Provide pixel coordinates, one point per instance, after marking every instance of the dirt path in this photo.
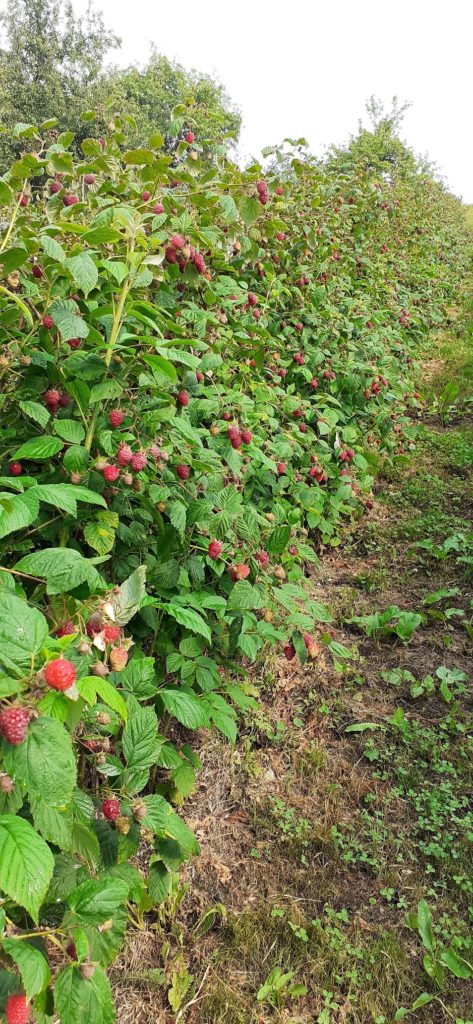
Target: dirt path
(348, 799)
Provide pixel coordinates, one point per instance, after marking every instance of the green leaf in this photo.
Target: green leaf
(229, 209)
(83, 1001)
(456, 964)
(249, 210)
(190, 619)
(35, 412)
(54, 823)
(140, 740)
(62, 568)
(177, 515)
(186, 707)
(12, 259)
(38, 448)
(95, 901)
(99, 536)
(68, 323)
(21, 511)
(162, 820)
(70, 430)
(26, 864)
(138, 156)
(45, 761)
(52, 248)
(424, 924)
(278, 540)
(159, 882)
(244, 597)
(107, 389)
(23, 631)
(83, 271)
(32, 965)
(127, 598)
(111, 697)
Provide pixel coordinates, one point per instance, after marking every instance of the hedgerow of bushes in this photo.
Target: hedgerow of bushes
(202, 369)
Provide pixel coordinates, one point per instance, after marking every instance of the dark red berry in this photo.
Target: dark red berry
(183, 398)
(48, 322)
(15, 469)
(116, 417)
(66, 629)
(14, 725)
(111, 809)
(183, 471)
(214, 549)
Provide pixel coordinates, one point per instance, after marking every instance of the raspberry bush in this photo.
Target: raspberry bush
(202, 370)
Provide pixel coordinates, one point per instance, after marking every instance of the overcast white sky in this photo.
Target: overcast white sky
(307, 67)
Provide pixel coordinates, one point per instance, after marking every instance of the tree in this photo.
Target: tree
(379, 147)
(149, 95)
(51, 66)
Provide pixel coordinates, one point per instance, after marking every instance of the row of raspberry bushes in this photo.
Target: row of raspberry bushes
(202, 370)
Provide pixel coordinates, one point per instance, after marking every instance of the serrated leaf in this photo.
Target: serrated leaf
(38, 448)
(177, 515)
(190, 619)
(99, 536)
(278, 540)
(35, 412)
(111, 697)
(70, 430)
(45, 761)
(127, 599)
(249, 210)
(26, 864)
(107, 389)
(83, 271)
(95, 901)
(229, 209)
(68, 323)
(32, 965)
(244, 597)
(23, 631)
(163, 820)
(83, 1001)
(52, 248)
(62, 568)
(159, 882)
(22, 510)
(186, 707)
(54, 823)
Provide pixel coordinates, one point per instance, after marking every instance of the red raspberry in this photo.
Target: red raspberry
(256, 313)
(155, 452)
(24, 200)
(111, 473)
(70, 200)
(64, 399)
(51, 396)
(292, 549)
(55, 187)
(246, 436)
(37, 272)
(183, 398)
(66, 629)
(214, 549)
(239, 571)
(252, 300)
(303, 428)
(14, 725)
(177, 241)
(116, 417)
(263, 558)
(111, 633)
(183, 471)
(199, 262)
(17, 1010)
(170, 254)
(158, 208)
(280, 236)
(261, 187)
(89, 179)
(200, 377)
(118, 659)
(93, 625)
(227, 415)
(138, 461)
(15, 469)
(289, 652)
(263, 198)
(281, 467)
(124, 455)
(298, 327)
(189, 136)
(60, 674)
(111, 809)
(234, 437)
(48, 322)
(145, 196)
(279, 190)
(314, 383)
(74, 342)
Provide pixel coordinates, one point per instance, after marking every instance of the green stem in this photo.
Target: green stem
(116, 325)
(13, 218)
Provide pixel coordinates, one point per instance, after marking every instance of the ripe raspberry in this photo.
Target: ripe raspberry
(280, 236)
(93, 625)
(138, 462)
(14, 725)
(289, 652)
(234, 437)
(111, 633)
(303, 428)
(36, 270)
(124, 455)
(183, 471)
(263, 558)
(170, 254)
(70, 200)
(48, 322)
(256, 313)
(199, 262)
(314, 383)
(60, 674)
(66, 629)
(183, 398)
(145, 196)
(55, 187)
(298, 327)
(116, 417)
(239, 571)
(246, 436)
(74, 342)
(292, 549)
(52, 396)
(24, 200)
(252, 300)
(158, 208)
(15, 469)
(279, 190)
(17, 1010)
(89, 179)
(118, 659)
(64, 399)
(189, 137)
(261, 187)
(177, 241)
(111, 809)
(226, 416)
(200, 377)
(214, 549)
(111, 473)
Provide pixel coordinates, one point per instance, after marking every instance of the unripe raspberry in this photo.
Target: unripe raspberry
(64, 399)
(140, 810)
(111, 633)
(214, 430)
(7, 784)
(155, 452)
(239, 571)
(279, 190)
(55, 187)
(111, 809)
(15, 469)
(89, 179)
(66, 629)
(36, 270)
(14, 725)
(124, 455)
(200, 377)
(145, 196)
(111, 473)
(87, 971)
(183, 471)
(123, 824)
(99, 669)
(246, 436)
(183, 398)
(227, 416)
(74, 343)
(289, 652)
(17, 1010)
(138, 462)
(263, 558)
(60, 674)
(158, 208)
(48, 322)
(214, 549)
(118, 659)
(116, 417)
(177, 241)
